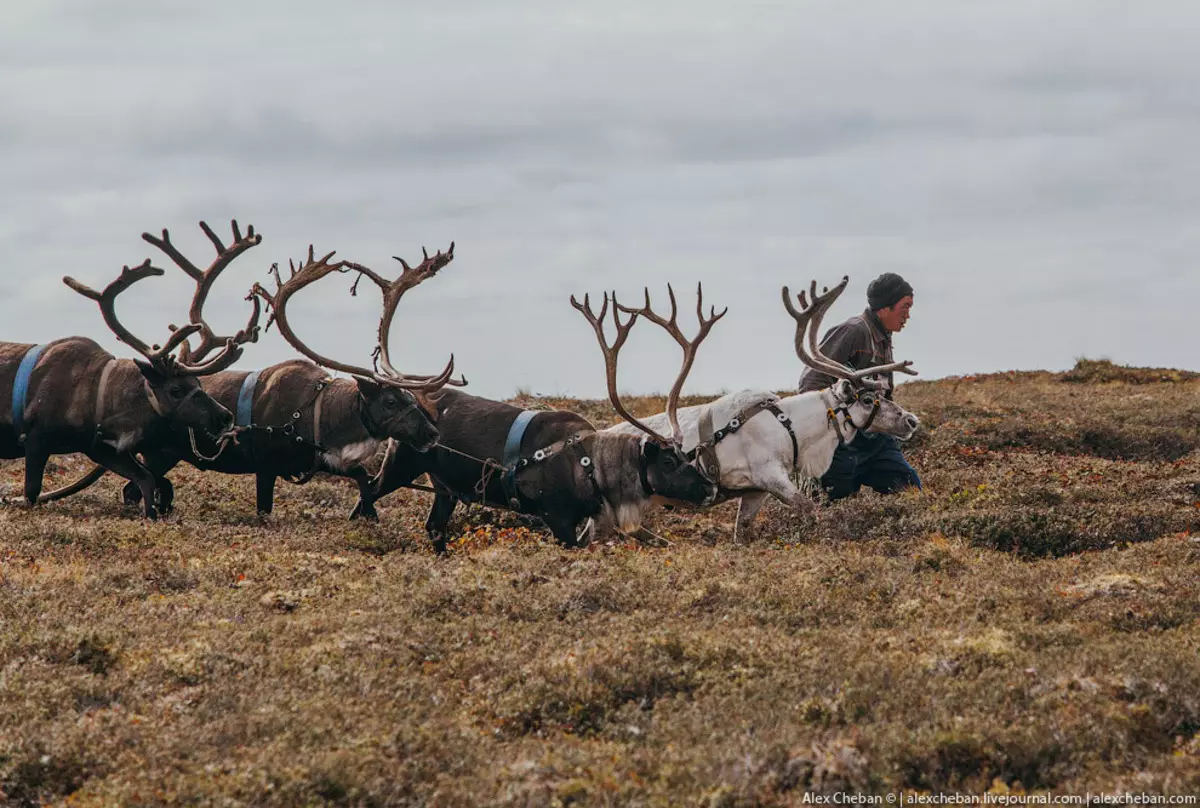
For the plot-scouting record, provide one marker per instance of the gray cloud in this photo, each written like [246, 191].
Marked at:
[1027, 165]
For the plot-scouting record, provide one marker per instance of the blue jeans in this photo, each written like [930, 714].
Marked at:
[870, 459]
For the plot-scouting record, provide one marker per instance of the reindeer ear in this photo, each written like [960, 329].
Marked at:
[367, 387]
[844, 390]
[651, 449]
[152, 373]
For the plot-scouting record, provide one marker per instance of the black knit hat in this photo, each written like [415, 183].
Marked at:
[887, 290]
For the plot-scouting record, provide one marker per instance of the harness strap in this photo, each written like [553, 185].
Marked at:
[245, 401]
[850, 420]
[512, 455]
[870, 418]
[154, 403]
[317, 413]
[101, 400]
[102, 391]
[782, 418]
[831, 414]
[21, 389]
[739, 420]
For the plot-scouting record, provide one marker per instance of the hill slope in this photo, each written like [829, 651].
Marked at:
[1027, 622]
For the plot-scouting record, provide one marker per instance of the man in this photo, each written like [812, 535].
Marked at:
[863, 341]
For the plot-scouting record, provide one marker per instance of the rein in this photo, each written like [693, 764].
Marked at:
[490, 468]
[224, 441]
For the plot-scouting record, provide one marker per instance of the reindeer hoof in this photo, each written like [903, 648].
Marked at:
[364, 510]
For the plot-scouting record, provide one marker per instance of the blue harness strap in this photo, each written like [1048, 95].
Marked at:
[512, 455]
[245, 402]
[21, 388]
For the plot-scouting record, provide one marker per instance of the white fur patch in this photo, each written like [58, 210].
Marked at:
[627, 516]
[125, 441]
[351, 455]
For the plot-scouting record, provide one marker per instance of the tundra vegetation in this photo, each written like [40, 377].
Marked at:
[1026, 623]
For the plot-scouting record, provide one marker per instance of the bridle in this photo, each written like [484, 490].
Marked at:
[844, 409]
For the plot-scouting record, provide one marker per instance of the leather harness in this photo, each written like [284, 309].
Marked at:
[513, 462]
[20, 390]
[20, 394]
[736, 423]
[844, 409]
[243, 421]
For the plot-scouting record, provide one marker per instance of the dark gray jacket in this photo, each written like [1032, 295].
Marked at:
[860, 342]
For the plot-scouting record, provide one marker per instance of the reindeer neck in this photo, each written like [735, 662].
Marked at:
[817, 433]
[618, 463]
[122, 410]
[338, 415]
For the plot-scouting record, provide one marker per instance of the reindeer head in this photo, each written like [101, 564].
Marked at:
[856, 393]
[172, 381]
[868, 407]
[667, 470]
[394, 404]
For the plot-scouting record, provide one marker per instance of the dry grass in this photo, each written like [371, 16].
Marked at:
[1027, 622]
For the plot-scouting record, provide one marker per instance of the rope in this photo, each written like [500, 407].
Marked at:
[221, 444]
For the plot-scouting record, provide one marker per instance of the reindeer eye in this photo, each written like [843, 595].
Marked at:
[670, 461]
[389, 402]
[175, 391]
[868, 399]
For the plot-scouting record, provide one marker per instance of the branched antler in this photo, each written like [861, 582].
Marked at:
[612, 351]
[392, 292]
[313, 270]
[209, 341]
[808, 323]
[107, 300]
[689, 347]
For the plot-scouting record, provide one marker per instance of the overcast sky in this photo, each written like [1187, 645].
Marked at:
[1028, 166]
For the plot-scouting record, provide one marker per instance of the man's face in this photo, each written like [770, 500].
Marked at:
[895, 316]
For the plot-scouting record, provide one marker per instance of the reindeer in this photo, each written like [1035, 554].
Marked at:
[756, 457]
[71, 395]
[293, 419]
[555, 465]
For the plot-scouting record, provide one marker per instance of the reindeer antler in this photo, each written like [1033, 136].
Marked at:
[107, 300]
[808, 323]
[231, 351]
[392, 292]
[612, 351]
[312, 271]
[689, 346]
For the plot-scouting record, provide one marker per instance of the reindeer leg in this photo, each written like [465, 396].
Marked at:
[748, 508]
[36, 457]
[129, 467]
[782, 488]
[159, 463]
[165, 491]
[564, 527]
[264, 492]
[440, 512]
[365, 507]
[131, 495]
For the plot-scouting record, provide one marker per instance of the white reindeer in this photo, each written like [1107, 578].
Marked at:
[765, 443]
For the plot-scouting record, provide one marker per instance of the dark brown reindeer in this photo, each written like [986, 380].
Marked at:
[71, 395]
[554, 465]
[297, 420]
